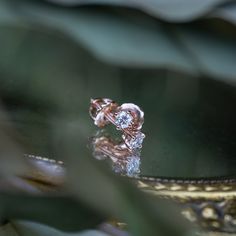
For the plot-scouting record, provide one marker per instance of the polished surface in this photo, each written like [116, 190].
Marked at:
[189, 122]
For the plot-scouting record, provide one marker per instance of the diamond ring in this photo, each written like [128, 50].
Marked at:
[128, 118]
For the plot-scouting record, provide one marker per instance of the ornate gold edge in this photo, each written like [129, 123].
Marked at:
[209, 203]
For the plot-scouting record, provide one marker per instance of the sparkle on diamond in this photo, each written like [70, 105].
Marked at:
[124, 119]
[130, 168]
[133, 166]
[137, 141]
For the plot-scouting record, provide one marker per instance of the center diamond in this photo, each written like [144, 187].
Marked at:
[124, 119]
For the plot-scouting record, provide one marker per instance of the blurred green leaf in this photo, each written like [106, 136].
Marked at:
[226, 12]
[24, 228]
[11, 149]
[64, 213]
[94, 184]
[208, 50]
[128, 35]
[174, 11]
[137, 39]
[8, 230]
[27, 228]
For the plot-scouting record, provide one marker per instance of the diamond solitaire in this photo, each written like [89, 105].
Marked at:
[124, 119]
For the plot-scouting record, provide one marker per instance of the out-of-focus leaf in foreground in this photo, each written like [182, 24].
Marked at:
[11, 151]
[94, 184]
[138, 40]
[27, 228]
[63, 213]
[174, 11]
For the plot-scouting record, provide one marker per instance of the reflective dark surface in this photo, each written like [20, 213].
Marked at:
[189, 122]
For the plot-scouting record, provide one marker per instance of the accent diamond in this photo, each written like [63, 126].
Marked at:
[132, 167]
[137, 141]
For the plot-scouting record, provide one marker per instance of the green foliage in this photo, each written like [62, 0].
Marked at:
[64, 213]
[24, 228]
[194, 48]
